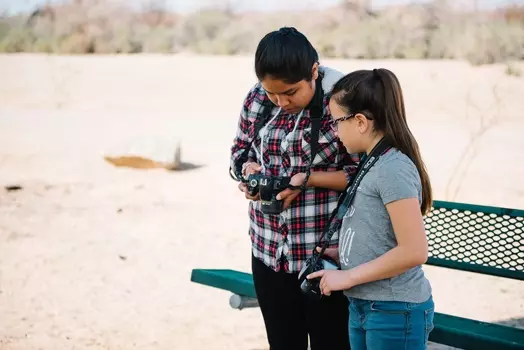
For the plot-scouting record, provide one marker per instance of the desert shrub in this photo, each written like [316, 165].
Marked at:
[432, 30]
[513, 70]
[18, 39]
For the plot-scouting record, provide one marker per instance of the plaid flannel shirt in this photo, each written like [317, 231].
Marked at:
[288, 239]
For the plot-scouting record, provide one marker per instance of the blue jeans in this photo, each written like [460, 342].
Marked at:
[389, 325]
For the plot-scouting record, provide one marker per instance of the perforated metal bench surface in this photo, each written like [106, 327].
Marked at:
[476, 238]
[466, 237]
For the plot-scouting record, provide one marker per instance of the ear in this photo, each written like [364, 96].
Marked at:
[314, 70]
[363, 123]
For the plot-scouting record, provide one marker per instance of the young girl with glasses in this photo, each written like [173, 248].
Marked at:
[382, 241]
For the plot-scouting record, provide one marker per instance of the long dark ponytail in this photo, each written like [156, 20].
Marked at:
[377, 95]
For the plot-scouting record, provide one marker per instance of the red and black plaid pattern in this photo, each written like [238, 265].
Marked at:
[291, 236]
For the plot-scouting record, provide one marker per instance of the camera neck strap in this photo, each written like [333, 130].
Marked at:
[315, 114]
[316, 109]
[345, 200]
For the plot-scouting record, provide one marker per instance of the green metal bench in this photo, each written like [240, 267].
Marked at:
[481, 239]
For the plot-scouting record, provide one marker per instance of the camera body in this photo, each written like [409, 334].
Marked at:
[312, 287]
[268, 187]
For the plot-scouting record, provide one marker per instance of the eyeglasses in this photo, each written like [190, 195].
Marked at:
[334, 122]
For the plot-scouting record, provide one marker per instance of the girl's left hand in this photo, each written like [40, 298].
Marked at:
[332, 280]
[288, 195]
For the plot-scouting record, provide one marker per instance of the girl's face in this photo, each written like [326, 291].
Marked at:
[292, 98]
[348, 128]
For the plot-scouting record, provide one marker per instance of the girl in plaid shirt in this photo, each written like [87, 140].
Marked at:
[290, 82]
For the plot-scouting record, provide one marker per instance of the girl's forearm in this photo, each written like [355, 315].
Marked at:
[395, 262]
[333, 180]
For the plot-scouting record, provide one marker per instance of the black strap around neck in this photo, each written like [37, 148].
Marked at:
[345, 200]
[315, 114]
[316, 110]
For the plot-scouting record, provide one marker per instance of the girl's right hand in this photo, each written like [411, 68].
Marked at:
[243, 187]
[248, 169]
[332, 253]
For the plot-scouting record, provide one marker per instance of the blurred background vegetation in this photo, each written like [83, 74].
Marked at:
[352, 29]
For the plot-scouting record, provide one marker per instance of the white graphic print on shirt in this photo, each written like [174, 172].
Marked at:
[346, 241]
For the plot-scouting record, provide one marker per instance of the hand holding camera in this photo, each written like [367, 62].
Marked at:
[316, 264]
[331, 280]
[275, 192]
[321, 274]
[249, 168]
[289, 194]
[267, 187]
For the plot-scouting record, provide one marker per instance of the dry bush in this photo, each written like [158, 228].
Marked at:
[431, 30]
[512, 70]
[202, 31]
[513, 13]
[18, 39]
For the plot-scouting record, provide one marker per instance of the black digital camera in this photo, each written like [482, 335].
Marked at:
[268, 187]
[315, 263]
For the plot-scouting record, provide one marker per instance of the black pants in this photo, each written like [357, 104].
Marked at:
[290, 316]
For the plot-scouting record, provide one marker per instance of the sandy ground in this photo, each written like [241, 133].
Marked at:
[94, 257]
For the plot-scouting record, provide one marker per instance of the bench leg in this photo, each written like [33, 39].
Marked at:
[242, 302]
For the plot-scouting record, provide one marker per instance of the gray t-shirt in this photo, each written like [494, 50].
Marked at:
[367, 233]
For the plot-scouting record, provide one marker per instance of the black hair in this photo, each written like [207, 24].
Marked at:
[285, 54]
[378, 96]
